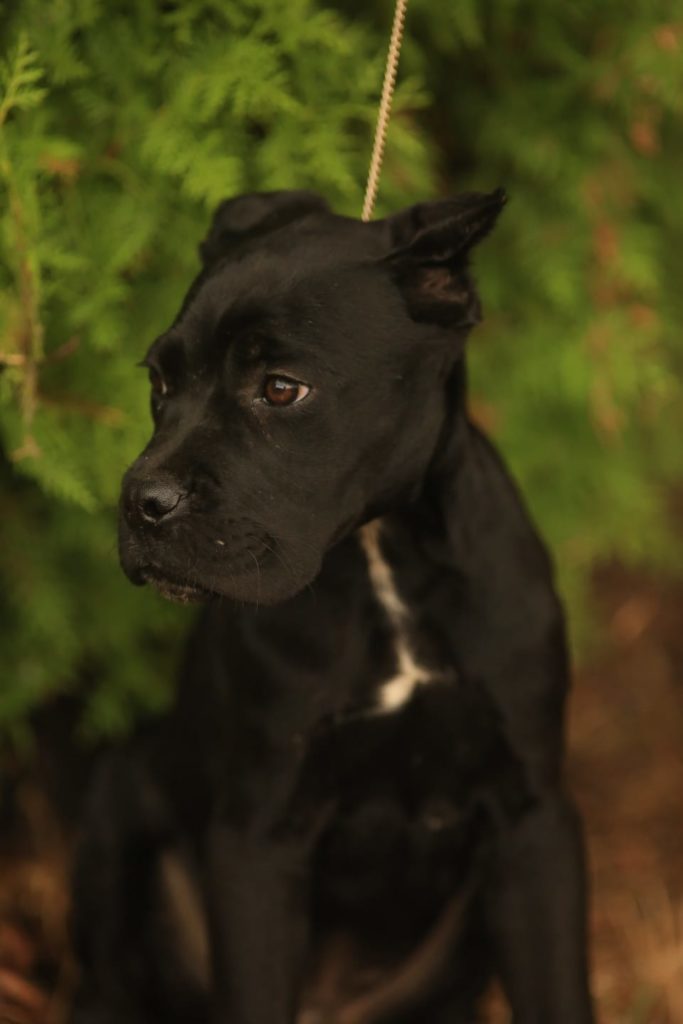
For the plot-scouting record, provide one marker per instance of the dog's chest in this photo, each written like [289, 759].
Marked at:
[414, 767]
[409, 787]
[417, 662]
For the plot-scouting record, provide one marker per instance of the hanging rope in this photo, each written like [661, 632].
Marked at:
[384, 114]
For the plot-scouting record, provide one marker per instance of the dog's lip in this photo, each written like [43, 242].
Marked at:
[173, 587]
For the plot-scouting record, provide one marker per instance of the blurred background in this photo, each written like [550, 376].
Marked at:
[121, 127]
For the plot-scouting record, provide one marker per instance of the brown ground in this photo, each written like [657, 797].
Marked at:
[627, 771]
[626, 768]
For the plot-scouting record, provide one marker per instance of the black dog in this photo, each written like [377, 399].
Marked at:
[368, 740]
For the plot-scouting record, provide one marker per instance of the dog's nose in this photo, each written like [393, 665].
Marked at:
[155, 500]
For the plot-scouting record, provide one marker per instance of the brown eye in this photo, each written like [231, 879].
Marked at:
[157, 382]
[283, 391]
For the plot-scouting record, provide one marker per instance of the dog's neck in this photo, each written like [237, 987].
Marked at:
[467, 523]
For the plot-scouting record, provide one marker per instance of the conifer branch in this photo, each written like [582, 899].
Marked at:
[20, 78]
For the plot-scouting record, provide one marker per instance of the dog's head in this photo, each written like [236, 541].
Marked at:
[300, 390]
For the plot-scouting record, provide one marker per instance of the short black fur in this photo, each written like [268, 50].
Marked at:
[307, 784]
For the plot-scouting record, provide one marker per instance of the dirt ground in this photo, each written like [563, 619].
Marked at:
[626, 735]
[626, 769]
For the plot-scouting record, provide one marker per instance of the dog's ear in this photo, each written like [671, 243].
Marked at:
[253, 214]
[431, 243]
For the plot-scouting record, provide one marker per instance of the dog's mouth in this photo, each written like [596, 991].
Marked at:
[249, 573]
[174, 589]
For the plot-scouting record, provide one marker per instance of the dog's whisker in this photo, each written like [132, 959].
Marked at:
[277, 553]
[258, 576]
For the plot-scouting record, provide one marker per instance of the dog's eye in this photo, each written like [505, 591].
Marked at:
[157, 382]
[283, 390]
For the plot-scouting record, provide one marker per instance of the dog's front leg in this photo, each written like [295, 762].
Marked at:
[508, 635]
[535, 906]
[257, 902]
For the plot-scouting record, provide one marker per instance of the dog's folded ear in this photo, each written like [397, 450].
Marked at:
[431, 243]
[255, 213]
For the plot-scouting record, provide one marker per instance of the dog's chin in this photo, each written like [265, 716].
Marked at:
[269, 582]
[249, 588]
[179, 591]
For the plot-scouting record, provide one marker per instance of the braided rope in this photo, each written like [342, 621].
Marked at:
[384, 113]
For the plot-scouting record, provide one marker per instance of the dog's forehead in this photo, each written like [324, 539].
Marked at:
[320, 278]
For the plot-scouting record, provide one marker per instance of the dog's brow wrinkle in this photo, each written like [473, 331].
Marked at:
[398, 690]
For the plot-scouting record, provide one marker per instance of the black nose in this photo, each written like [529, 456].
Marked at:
[155, 500]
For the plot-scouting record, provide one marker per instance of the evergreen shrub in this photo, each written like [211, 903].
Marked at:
[121, 127]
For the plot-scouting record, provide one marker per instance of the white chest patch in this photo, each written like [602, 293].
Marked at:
[398, 690]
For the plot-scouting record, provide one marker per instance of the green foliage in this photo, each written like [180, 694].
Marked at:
[122, 125]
